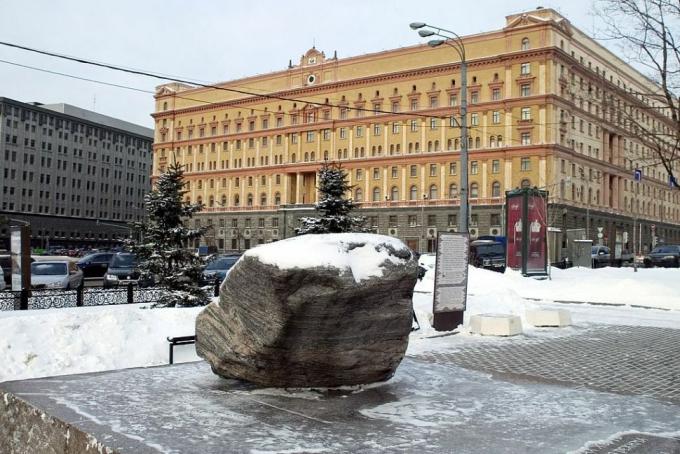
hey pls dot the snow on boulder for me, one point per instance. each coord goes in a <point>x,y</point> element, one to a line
<point>314,310</point>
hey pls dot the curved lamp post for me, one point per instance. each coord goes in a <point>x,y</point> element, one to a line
<point>453,40</point>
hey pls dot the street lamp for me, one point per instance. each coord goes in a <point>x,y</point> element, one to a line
<point>453,40</point>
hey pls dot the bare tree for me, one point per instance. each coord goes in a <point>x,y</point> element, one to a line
<point>647,32</point>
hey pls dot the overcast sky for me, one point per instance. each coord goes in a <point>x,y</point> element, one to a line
<point>214,40</point>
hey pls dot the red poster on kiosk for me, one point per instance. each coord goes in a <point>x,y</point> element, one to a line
<point>536,218</point>
<point>515,209</point>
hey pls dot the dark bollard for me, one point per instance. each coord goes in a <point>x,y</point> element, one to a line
<point>130,296</point>
<point>79,294</point>
<point>23,299</point>
<point>217,287</point>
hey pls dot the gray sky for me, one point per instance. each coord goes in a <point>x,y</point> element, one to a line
<point>214,40</point>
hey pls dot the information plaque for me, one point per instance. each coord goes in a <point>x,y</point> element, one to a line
<point>450,280</point>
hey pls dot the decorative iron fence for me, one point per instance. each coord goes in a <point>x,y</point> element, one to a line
<point>82,296</point>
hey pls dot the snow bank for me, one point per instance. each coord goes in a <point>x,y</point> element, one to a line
<point>334,250</point>
<point>47,342</point>
<point>654,287</point>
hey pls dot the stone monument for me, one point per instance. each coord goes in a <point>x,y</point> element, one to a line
<point>313,310</point>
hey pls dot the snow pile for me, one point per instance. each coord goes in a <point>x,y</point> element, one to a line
<point>47,342</point>
<point>361,254</point>
<point>654,288</point>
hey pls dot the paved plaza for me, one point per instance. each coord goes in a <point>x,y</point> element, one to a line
<point>598,389</point>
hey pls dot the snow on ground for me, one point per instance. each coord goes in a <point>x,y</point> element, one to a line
<point>49,342</point>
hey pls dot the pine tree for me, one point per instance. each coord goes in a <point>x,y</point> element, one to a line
<point>161,251</point>
<point>335,210</point>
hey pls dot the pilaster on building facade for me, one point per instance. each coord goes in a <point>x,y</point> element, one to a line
<point>545,109</point>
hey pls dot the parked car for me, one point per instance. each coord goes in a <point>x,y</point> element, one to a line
<point>95,265</point>
<point>123,270</point>
<point>55,274</point>
<point>600,256</point>
<point>217,268</point>
<point>6,265</point>
<point>667,255</point>
<point>488,254</point>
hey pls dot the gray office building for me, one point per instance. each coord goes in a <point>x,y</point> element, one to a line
<point>76,176</point>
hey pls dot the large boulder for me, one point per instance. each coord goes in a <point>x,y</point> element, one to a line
<point>314,310</point>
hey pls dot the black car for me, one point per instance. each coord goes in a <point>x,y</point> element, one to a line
<point>666,256</point>
<point>123,270</point>
<point>488,254</point>
<point>95,265</point>
<point>217,268</point>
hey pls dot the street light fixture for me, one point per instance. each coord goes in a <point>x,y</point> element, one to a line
<point>453,40</point>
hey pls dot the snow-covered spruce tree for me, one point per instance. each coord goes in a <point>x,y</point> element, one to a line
<point>333,207</point>
<point>161,250</point>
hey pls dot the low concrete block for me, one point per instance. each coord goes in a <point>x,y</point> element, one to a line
<point>549,317</point>
<point>496,324</point>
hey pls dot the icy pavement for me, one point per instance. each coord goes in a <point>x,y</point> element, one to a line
<point>426,407</point>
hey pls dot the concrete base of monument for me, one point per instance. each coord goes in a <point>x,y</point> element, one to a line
<point>496,325</point>
<point>549,317</point>
<point>427,407</point>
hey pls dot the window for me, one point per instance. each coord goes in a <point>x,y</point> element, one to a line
<point>431,220</point>
<point>525,43</point>
<point>343,133</point>
<point>359,174</point>
<point>395,172</point>
<point>526,138</point>
<point>310,136</point>
<point>414,171</point>
<point>496,117</point>
<point>293,138</point>
<point>453,100</point>
<point>434,102</point>
<point>495,166</point>
<point>433,170</point>
<point>453,190</point>
<point>394,193</point>
<point>412,220</point>
<point>376,173</point>
<point>376,130</point>
<point>414,104</point>
<point>525,164</point>
<point>526,184</point>
<point>395,128</point>
<point>474,167</point>
<point>474,119</point>
<point>526,113</point>
<point>474,190</point>
<point>326,134</point>
<point>359,131</point>
<point>433,123</point>
<point>525,90</point>
<point>496,94</point>
<point>495,190</point>
<point>474,97</point>
<point>376,194</point>
<point>434,192</point>
<point>525,69</point>
<point>453,168</point>
<point>414,125</point>
<point>413,193</point>
<point>358,195</point>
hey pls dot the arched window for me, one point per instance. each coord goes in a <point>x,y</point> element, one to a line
<point>224,201</point>
<point>306,157</point>
<point>356,152</point>
<point>413,193</point>
<point>499,141</point>
<point>292,157</point>
<point>590,197</point>
<point>495,189</point>
<point>249,200</point>
<point>263,199</point>
<point>376,194</point>
<point>429,146</point>
<point>434,192</point>
<point>474,191</point>
<point>453,191</point>
<point>394,193</point>
<point>449,144</point>
<point>277,198</point>
<point>373,150</point>
<point>492,141</point>
<point>200,184</point>
<point>325,155</point>
<point>358,195</point>
<point>525,43</point>
<point>470,142</point>
<point>456,144</point>
<point>211,202</point>
<point>562,189</point>
<point>436,145</point>
<point>313,156</point>
<point>478,142</point>
<point>525,183</point>
<point>199,200</point>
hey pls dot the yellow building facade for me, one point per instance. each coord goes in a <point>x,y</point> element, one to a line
<point>543,103</point>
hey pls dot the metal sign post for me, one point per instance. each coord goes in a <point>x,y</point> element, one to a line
<point>20,242</point>
<point>450,280</point>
